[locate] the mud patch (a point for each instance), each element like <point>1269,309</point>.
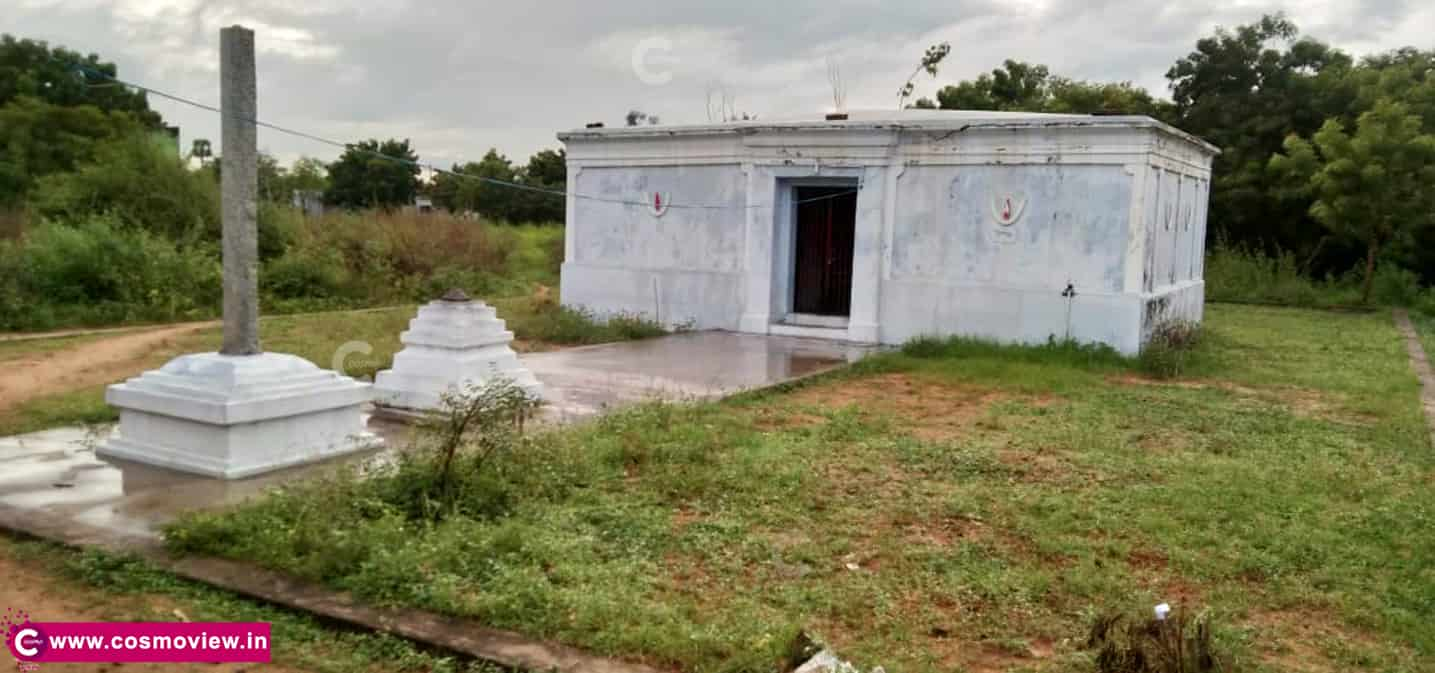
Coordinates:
<point>928,409</point>
<point>1301,402</point>
<point>1307,640</point>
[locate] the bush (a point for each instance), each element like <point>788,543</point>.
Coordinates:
<point>1169,349</point>
<point>1394,286</point>
<point>1179,643</point>
<point>313,273</point>
<point>99,271</point>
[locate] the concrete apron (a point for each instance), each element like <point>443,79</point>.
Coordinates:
<point>52,485</point>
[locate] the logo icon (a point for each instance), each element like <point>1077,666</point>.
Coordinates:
<point>658,203</point>
<point>24,639</point>
<point>1007,207</point>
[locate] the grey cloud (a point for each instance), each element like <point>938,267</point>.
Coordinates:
<point>459,77</point>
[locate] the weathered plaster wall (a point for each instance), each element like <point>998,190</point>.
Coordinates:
<point>954,269</point>
<point>682,268</point>
<point>1115,208</point>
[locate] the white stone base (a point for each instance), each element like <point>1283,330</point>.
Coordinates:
<point>234,416</point>
<point>450,345</point>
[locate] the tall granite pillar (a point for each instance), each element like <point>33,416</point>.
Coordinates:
<point>239,182</point>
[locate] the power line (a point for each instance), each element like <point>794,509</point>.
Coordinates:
<point>355,148</point>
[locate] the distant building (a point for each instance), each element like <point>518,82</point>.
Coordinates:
<point>1016,227</point>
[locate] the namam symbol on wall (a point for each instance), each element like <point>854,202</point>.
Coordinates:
<point>1007,207</point>
<point>658,203</point>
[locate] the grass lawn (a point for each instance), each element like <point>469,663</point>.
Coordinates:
<point>110,588</point>
<point>955,507</point>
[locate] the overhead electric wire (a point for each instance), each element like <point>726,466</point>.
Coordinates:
<point>355,148</point>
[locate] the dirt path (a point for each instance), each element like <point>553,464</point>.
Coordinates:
<point>1421,364</point>
<point>48,598</point>
<point>92,363</point>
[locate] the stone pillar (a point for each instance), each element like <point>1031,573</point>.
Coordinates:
<point>239,180</point>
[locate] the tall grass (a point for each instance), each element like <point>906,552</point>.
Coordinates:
<point>1239,274</point>
<point>373,258</point>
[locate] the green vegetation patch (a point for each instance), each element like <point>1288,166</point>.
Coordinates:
<point>956,505</point>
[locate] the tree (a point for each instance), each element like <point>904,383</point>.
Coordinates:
<point>65,78</point>
<point>464,188</point>
<point>1030,87</point>
<point>1374,186</point>
<point>1014,86</point>
<point>307,174</point>
<point>1081,97</point>
<point>547,170</point>
<point>200,149</point>
<point>371,174</point>
<point>637,117</point>
<point>1243,92</point>
<point>39,139</point>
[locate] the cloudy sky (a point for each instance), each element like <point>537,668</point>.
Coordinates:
<point>461,76</point>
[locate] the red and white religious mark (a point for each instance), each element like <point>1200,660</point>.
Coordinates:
<point>1007,207</point>
<point>658,203</point>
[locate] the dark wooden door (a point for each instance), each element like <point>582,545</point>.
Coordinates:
<point>826,225</point>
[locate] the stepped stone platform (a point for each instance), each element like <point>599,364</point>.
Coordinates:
<point>452,344</point>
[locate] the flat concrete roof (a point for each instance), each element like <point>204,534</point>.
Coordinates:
<point>885,120</point>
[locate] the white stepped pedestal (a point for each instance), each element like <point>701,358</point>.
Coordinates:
<point>453,343</point>
<point>234,416</point>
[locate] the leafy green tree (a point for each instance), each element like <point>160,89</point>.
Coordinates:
<point>1373,186</point>
<point>307,174</point>
<point>1082,97</point>
<point>143,183</point>
<point>1028,87</point>
<point>62,77</point>
<point>39,139</point>
<point>1245,90</point>
<point>547,170</point>
<point>462,190</point>
<point>363,177</point>
<point>1013,86</point>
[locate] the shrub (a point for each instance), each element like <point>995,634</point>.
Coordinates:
<point>1168,350</point>
<point>1179,643</point>
<point>1394,286</point>
<point>98,271</point>
<point>312,273</point>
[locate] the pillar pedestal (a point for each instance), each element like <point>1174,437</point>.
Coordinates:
<point>234,416</point>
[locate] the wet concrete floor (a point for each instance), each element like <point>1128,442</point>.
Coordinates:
<point>56,471</point>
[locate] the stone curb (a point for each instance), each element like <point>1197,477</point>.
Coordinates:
<point>1421,364</point>
<point>454,634</point>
